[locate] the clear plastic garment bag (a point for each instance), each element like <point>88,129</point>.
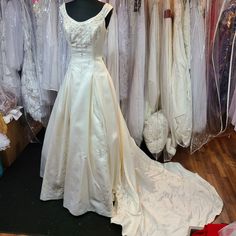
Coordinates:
<point>51,52</point>
<point>54,55</point>
<point>8,75</point>
<point>232,112</point>
<point>220,81</point>
<point>222,54</point>
<point>137,70</point>
<point>180,82</point>
<point>166,74</point>
<point>198,72</point>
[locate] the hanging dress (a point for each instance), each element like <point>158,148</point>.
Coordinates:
<point>153,77</point>
<point>166,75</point>
<point>180,82</point>
<point>222,51</point>
<point>198,74</point>
<point>9,75</point>
<point>136,103</point>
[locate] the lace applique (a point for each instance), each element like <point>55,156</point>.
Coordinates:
<point>29,81</point>
<point>124,50</point>
<point>137,5</point>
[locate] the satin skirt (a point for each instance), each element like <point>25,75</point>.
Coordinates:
<point>90,160</point>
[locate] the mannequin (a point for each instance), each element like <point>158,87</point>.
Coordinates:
<point>82,10</point>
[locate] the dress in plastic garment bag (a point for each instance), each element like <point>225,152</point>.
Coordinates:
<point>214,120</point>
<point>30,86</point>
<point>54,57</point>
<point>232,111</point>
<point>222,51</point>
<point>166,74</point>
<point>156,126</point>
<point>220,29</point>
<point>152,86</point>
<point>20,60</point>
<point>124,49</point>
<point>138,42</point>
<point>229,230</point>
<point>176,95</point>
<point>90,160</point>
<point>52,52</point>
<point>14,45</point>
<point>180,82</point>
<point>8,75</point>
<point>198,72</point>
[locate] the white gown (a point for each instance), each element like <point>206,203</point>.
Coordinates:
<point>198,68</point>
<point>20,56</point>
<point>8,75</point>
<point>136,101</point>
<point>166,63</point>
<point>180,82</point>
<point>30,86</point>
<point>153,76</point>
<point>90,160</point>
<point>124,49</point>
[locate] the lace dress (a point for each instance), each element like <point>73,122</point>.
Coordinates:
<point>124,49</point>
<point>90,160</point>
<point>19,54</point>
<point>51,48</point>
<point>9,76</point>
<point>30,86</point>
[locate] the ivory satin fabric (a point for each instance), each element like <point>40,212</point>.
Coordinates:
<point>90,160</point>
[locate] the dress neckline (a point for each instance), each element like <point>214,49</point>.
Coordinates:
<point>85,21</point>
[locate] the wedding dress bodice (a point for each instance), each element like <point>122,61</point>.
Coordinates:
<point>86,38</point>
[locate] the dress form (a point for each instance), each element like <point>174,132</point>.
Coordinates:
<point>82,10</point>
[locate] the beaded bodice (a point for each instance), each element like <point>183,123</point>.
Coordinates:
<point>86,38</point>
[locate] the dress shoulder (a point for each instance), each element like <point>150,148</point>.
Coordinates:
<point>107,8</point>
<point>62,9</point>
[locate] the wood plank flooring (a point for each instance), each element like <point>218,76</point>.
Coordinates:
<point>216,162</point>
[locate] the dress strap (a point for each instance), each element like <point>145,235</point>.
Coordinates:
<point>107,8</point>
<point>62,9</point>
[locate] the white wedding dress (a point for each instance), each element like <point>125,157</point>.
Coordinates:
<point>90,160</point>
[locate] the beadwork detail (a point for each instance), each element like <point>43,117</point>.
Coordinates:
<point>84,38</point>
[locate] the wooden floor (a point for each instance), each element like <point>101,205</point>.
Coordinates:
<point>216,162</point>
